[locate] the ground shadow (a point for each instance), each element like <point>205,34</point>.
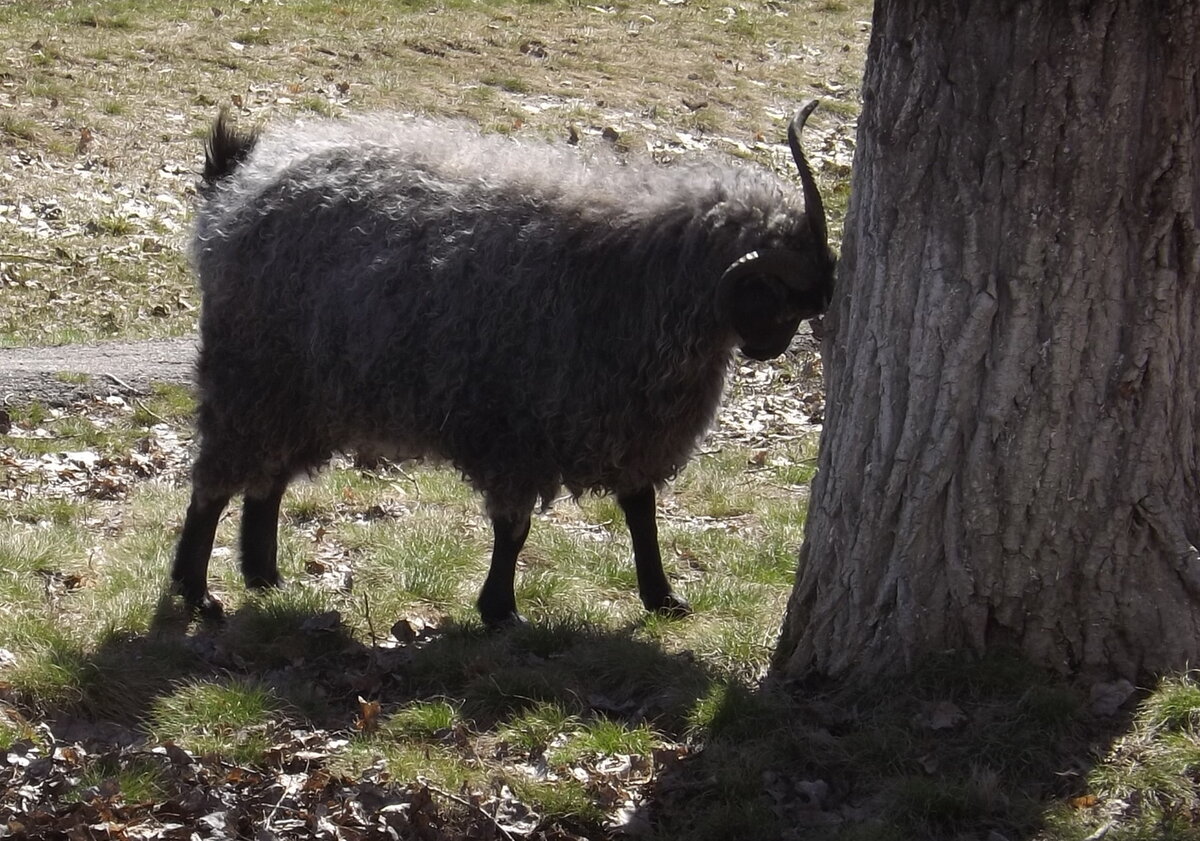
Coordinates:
<point>325,678</point>
<point>964,749</point>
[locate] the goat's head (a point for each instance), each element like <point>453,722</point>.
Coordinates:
<point>765,294</point>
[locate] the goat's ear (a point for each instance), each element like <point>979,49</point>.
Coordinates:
<point>756,300</point>
<point>752,302</point>
<point>754,284</point>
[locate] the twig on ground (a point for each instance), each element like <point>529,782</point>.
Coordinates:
<point>370,624</point>
<point>149,411</point>
<point>31,258</point>
<point>474,807</point>
<point>275,809</point>
<point>1101,832</point>
<point>120,382</point>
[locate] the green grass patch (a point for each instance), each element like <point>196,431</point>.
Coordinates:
<point>231,719</point>
<point>71,378</point>
<point>422,720</point>
<point>542,712</point>
<point>168,403</point>
<point>609,737</point>
<point>511,84</point>
<point>115,95</point>
<point>105,106</point>
<point>534,729</point>
<point>403,759</point>
<point>14,129</point>
<point>100,20</point>
<point>133,780</point>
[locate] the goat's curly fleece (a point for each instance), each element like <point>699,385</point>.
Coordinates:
<point>537,317</point>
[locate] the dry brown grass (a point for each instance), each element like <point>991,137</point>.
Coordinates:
<point>101,109</point>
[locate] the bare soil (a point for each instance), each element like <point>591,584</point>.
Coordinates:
<point>58,376</point>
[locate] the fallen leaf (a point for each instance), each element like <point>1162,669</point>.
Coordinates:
<point>368,718</point>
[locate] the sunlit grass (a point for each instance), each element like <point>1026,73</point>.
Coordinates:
<point>15,728</point>
<point>232,719</point>
<point>96,249</point>
<point>421,720</point>
<point>124,89</point>
<point>591,680</point>
<point>533,730</point>
<point>133,780</point>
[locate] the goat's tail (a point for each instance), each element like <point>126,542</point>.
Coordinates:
<point>224,149</point>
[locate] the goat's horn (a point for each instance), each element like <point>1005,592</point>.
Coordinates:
<point>783,263</point>
<point>814,208</point>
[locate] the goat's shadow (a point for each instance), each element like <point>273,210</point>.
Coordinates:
<point>320,672</point>
<point>913,759</point>
<point>317,667</point>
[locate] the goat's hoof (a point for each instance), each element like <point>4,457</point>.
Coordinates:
<point>207,608</point>
<point>264,582</point>
<point>504,622</point>
<point>671,605</point>
<point>210,610</point>
<point>201,604</point>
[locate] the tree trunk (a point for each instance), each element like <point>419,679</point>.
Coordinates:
<point>1010,449</point>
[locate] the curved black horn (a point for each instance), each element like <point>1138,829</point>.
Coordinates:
<point>813,206</point>
<point>783,263</point>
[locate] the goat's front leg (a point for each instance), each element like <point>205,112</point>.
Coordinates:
<point>189,573</point>
<point>260,537</point>
<point>498,600</point>
<point>653,586</point>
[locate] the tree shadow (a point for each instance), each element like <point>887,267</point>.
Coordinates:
<point>986,748</point>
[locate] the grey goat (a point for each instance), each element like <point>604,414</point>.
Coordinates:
<point>537,318</point>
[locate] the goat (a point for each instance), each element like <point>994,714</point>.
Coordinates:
<point>536,318</point>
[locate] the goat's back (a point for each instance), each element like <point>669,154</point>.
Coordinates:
<point>514,307</point>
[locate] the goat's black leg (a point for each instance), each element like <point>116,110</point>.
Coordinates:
<point>189,574</point>
<point>653,586</point>
<point>260,537</point>
<point>497,600</point>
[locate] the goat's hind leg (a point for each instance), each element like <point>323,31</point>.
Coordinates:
<point>260,536</point>
<point>653,587</point>
<point>497,600</point>
<point>189,574</point>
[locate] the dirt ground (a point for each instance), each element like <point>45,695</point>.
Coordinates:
<point>65,374</point>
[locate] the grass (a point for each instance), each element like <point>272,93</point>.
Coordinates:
<point>590,682</point>
<point>231,719</point>
<point>137,781</point>
<point>104,104</point>
<point>592,698</point>
<point>373,654</point>
<point>422,720</point>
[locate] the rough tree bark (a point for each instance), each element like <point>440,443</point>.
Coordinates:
<point>1010,450</point>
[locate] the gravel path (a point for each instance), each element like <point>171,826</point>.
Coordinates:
<point>52,375</point>
<point>759,406</point>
